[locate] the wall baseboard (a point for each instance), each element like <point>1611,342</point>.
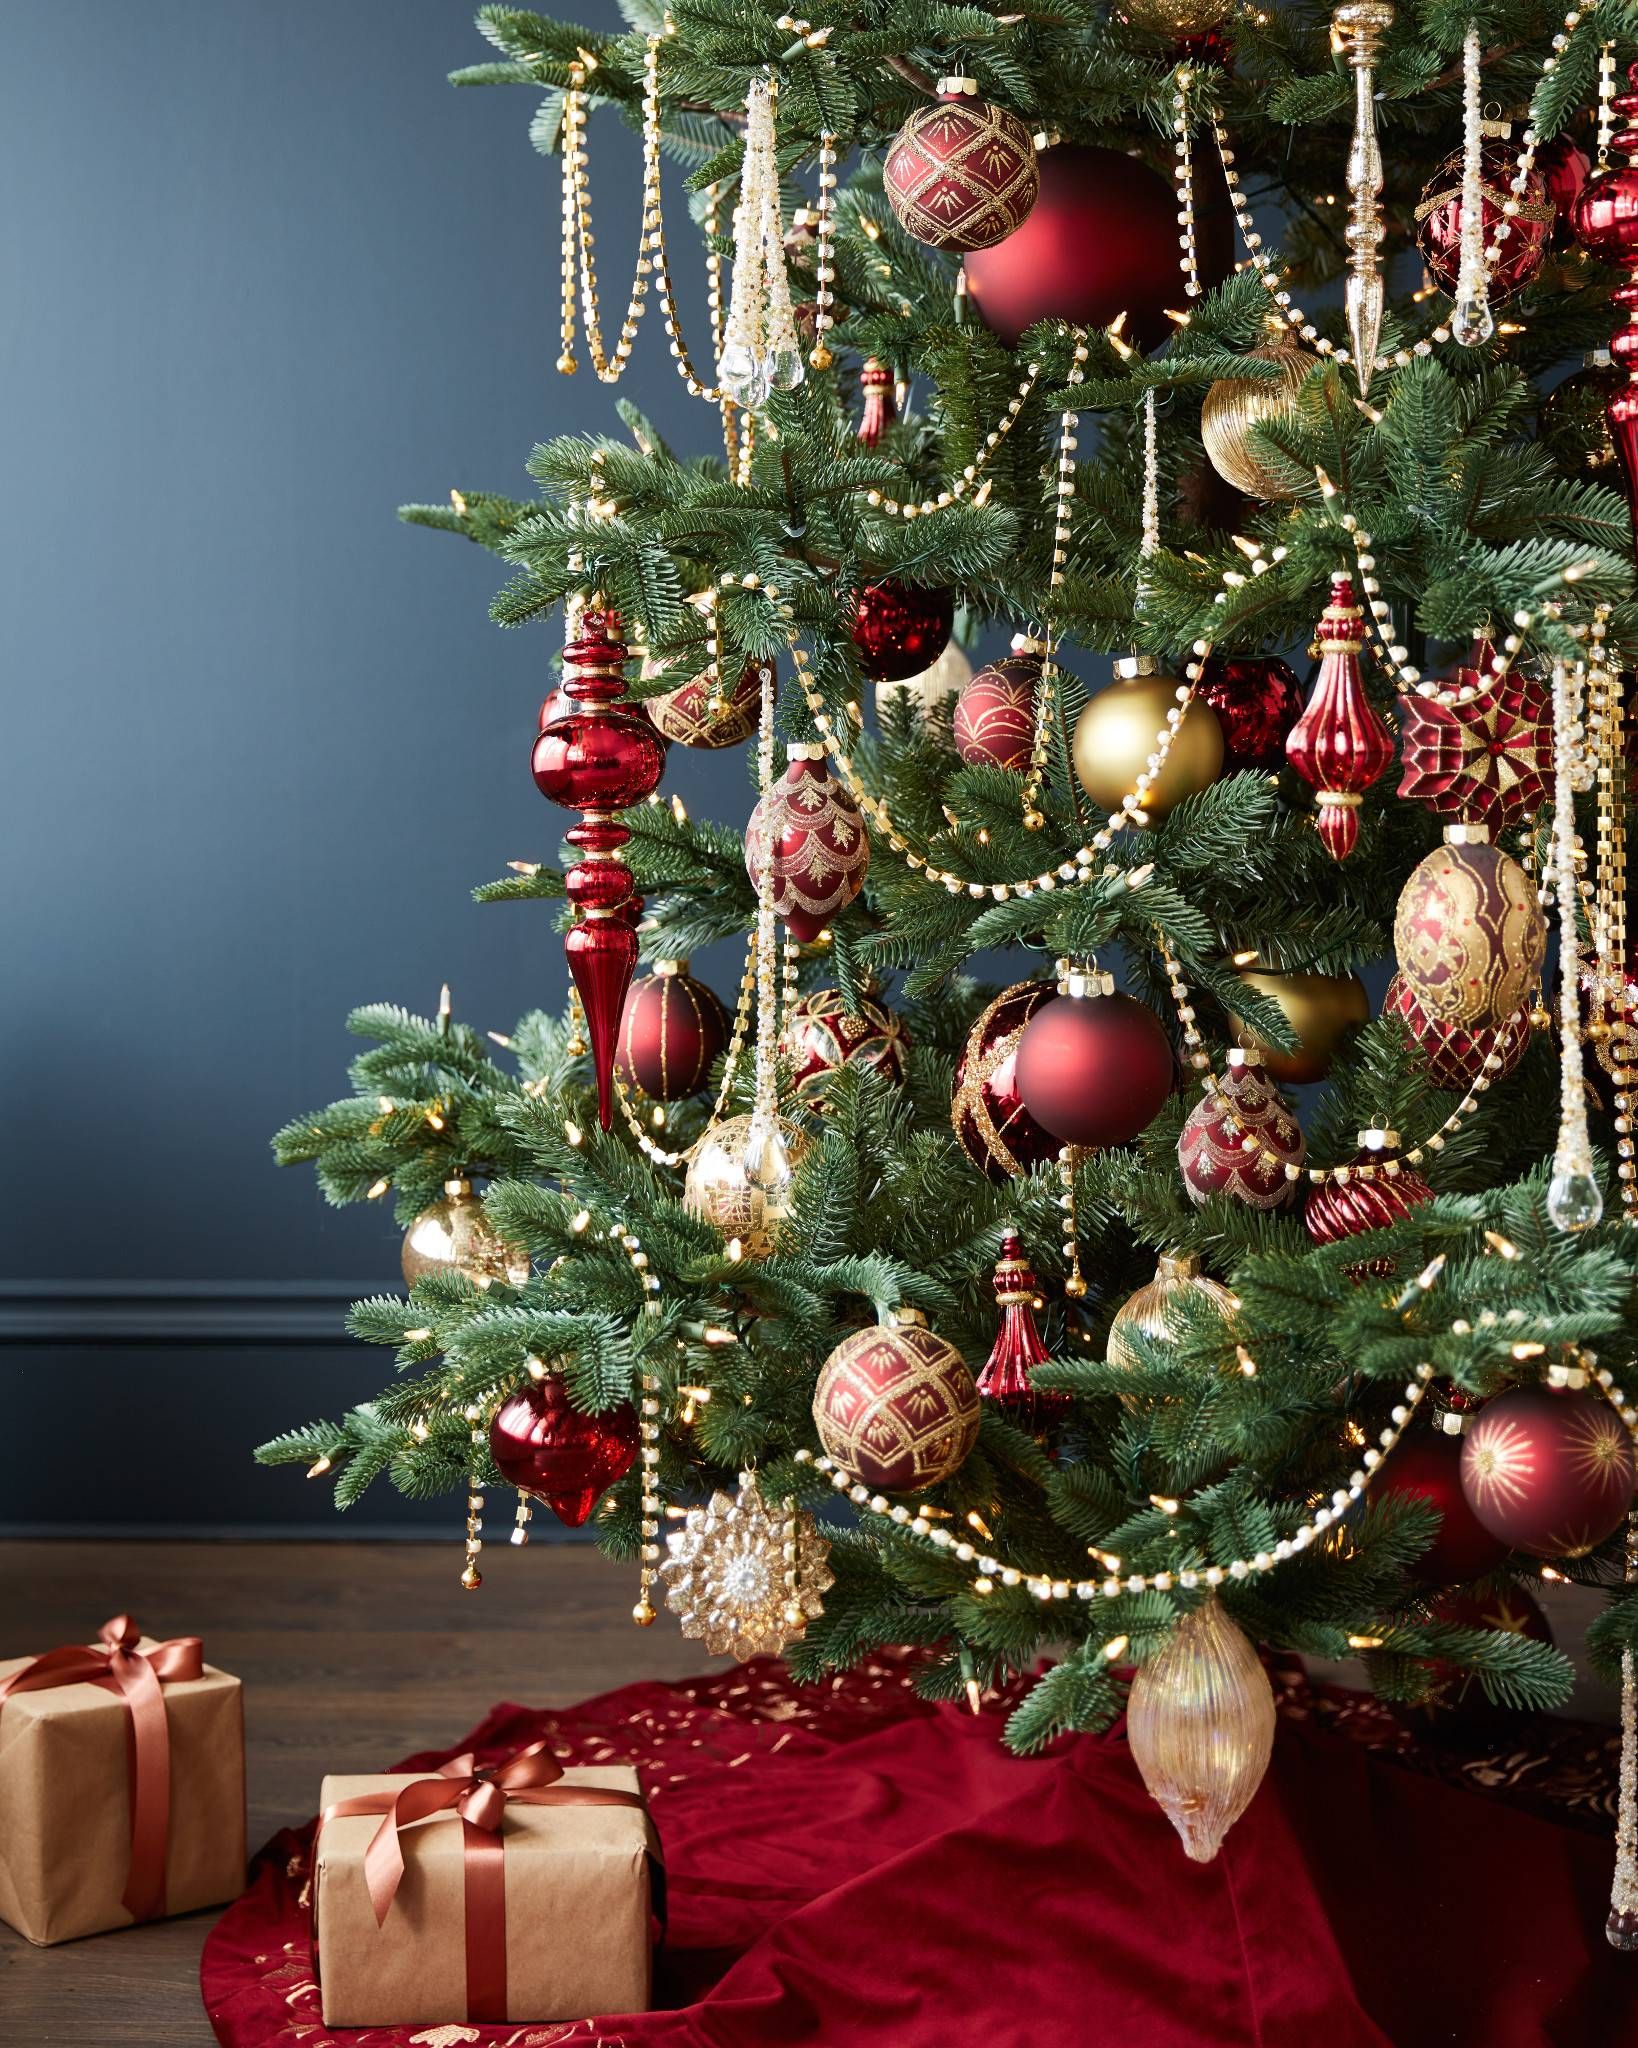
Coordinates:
<point>178,1311</point>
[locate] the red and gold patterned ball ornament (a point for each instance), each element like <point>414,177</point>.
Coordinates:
<point>1439,220</point>
<point>1340,1209</point>
<point>1488,760</point>
<point>808,828</point>
<point>1426,1465</point>
<point>1469,932</point>
<point>673,1029</point>
<point>544,1445</point>
<point>1241,1138</point>
<point>685,716</point>
<point>1548,1473</point>
<point>1257,699</point>
<point>1094,1067</point>
<point>994,721</point>
<point>1453,1056</point>
<point>896,1406</point>
<point>900,629</point>
<point>961,174</point>
<point>988,1115</point>
<point>822,1034</point>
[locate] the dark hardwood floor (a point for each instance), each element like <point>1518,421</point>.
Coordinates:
<point>352,1655</point>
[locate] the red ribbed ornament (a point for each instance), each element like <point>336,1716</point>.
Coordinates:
<point>1605,220</point>
<point>596,758</point>
<point>1453,1054</point>
<point>1338,1209</point>
<point>1005,1380</point>
<point>876,388</point>
<point>542,1444</point>
<point>1340,745</point>
<point>809,828</point>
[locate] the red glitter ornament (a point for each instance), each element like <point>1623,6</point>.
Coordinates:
<point>685,715</point>
<point>1212,1151</point>
<point>809,828</point>
<point>1426,1464</point>
<point>1094,1068</point>
<point>1549,1473</point>
<point>895,1405</point>
<point>1347,1208</point>
<point>1340,745</point>
<point>1606,224</point>
<point>1486,761</point>
<point>994,722</point>
<point>1258,699</point>
<point>988,1115</point>
<point>899,629</point>
<point>876,388</point>
<point>1453,1055</point>
<point>1439,220</point>
<point>673,1028</point>
<point>961,174</point>
<point>1005,1381</point>
<point>543,1445</point>
<point>597,759</point>
<point>822,1034</point>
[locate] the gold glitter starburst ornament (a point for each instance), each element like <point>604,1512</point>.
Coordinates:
<point>744,1577</point>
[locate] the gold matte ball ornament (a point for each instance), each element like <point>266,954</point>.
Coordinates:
<point>1234,405</point>
<point>745,1198</point>
<point>1321,1008</point>
<point>1125,724</point>
<point>454,1235</point>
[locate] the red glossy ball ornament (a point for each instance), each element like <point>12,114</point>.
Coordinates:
<point>994,722</point>
<point>808,829</point>
<point>988,1115</point>
<point>1565,168</point>
<point>1452,1055</point>
<point>1240,1138</point>
<point>1347,1208</point>
<point>543,1445</point>
<point>1548,1473</point>
<point>961,173</point>
<point>1094,1067</point>
<point>673,1028</point>
<point>552,707</point>
<point>896,1406</point>
<point>899,629</point>
<point>1258,699</point>
<point>1426,1464</point>
<point>822,1035</point>
<point>1101,241</point>
<point>1439,220</point>
<point>1006,1381</point>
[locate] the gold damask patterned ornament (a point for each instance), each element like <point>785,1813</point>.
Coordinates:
<point>454,1235</point>
<point>896,1406</point>
<point>744,1577</point>
<point>1469,931</point>
<point>746,1197</point>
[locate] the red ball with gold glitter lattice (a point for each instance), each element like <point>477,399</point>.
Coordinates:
<point>1548,1472</point>
<point>1453,1056</point>
<point>1439,218</point>
<point>700,713</point>
<point>1340,745</point>
<point>961,174</point>
<point>822,1034</point>
<point>809,831</point>
<point>1241,1139</point>
<point>1006,1381</point>
<point>1348,1206</point>
<point>986,1109</point>
<point>896,1407</point>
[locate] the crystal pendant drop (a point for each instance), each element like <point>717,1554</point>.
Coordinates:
<point>785,368</point>
<point>1573,1200</point>
<point>1472,323</point>
<point>769,1168</point>
<point>743,375</point>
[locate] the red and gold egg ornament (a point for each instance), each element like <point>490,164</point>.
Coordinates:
<point>896,1406</point>
<point>671,1032</point>
<point>1094,1066</point>
<point>1469,932</point>
<point>961,174</point>
<point>808,829</point>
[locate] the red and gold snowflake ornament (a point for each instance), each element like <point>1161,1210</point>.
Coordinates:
<point>1483,754</point>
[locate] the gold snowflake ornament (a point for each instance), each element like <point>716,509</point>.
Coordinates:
<point>746,1578</point>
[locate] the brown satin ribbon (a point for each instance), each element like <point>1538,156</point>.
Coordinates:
<point>478,1798</point>
<point>137,1676</point>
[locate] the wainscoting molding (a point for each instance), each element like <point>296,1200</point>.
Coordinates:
<point>178,1311</point>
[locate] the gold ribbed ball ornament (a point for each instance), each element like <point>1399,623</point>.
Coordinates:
<point>1234,405</point>
<point>1176,1277</point>
<point>740,1178</point>
<point>453,1235</point>
<point>1321,1008</point>
<point>1125,724</point>
<point>1176,20</point>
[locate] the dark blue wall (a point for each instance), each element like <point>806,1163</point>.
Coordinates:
<point>264,275</point>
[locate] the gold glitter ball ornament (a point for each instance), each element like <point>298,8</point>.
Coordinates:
<point>1124,726</point>
<point>1176,20</point>
<point>1234,405</point>
<point>454,1235</point>
<point>746,1578</point>
<point>1176,1277</point>
<point>740,1179</point>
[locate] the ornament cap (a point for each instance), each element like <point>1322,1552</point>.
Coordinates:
<point>1378,1139</point>
<point>804,750</point>
<point>902,1318</point>
<point>1086,980</point>
<point>457,1184</point>
<point>1177,1266</point>
<point>672,966</point>
<point>1135,664</point>
<point>1467,832</point>
<point>957,87</point>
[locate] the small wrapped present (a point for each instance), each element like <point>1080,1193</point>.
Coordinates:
<point>122,1784</point>
<point>534,1905</point>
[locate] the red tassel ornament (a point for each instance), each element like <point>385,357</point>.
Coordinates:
<point>596,758</point>
<point>1005,1380</point>
<point>876,388</point>
<point>1340,745</point>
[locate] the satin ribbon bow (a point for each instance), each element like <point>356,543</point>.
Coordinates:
<point>136,1676</point>
<point>478,1799</point>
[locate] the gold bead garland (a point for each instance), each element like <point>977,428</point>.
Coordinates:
<point>1183,149</point>
<point>957,489</point>
<point>824,253</point>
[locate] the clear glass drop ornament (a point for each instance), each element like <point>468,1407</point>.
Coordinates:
<point>743,375</point>
<point>1472,322</point>
<point>785,368</point>
<point>1573,1199</point>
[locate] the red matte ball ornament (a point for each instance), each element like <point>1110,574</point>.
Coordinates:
<point>673,1029</point>
<point>543,1445</point>
<point>1094,1068</point>
<point>1258,699</point>
<point>1426,1465</point>
<point>1549,1473</point>
<point>899,629</point>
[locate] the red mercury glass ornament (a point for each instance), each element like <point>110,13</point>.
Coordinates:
<point>542,1444</point>
<point>1340,745</point>
<point>596,759</point>
<point>1258,700</point>
<point>876,387</point>
<point>1605,220</point>
<point>1005,1379</point>
<point>901,628</point>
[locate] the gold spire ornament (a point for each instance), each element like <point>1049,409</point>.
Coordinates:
<point>1358,27</point>
<point>746,1578</point>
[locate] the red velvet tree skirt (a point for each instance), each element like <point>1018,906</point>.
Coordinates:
<point>850,1867</point>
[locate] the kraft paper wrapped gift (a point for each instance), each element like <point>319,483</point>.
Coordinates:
<point>122,1785</point>
<point>505,1896</point>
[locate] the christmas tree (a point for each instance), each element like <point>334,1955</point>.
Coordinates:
<point>1101,1346</point>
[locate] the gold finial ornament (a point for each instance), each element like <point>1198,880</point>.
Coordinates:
<point>744,1577</point>
<point>1359,27</point>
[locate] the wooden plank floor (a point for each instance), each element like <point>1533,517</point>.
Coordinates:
<point>353,1655</point>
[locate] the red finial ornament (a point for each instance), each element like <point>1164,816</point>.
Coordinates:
<point>1605,219</point>
<point>596,758</point>
<point>876,386</point>
<point>1340,745</point>
<point>1005,1379</point>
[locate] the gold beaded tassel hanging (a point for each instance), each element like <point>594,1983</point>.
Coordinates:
<point>824,254</point>
<point>1068,1159</point>
<point>1573,1198</point>
<point>471,1577</point>
<point>1359,27</point>
<point>648,1452</point>
<point>1621,1929</point>
<point>1472,322</point>
<point>1614,1027</point>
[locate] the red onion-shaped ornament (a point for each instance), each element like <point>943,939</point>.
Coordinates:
<point>543,1445</point>
<point>1426,1465</point>
<point>1439,220</point>
<point>596,759</point>
<point>808,830</point>
<point>1258,699</point>
<point>1340,745</point>
<point>1606,225</point>
<point>822,1035</point>
<point>672,1030</point>
<point>1005,1381</point>
<point>1094,1067</point>
<point>1351,1203</point>
<point>1550,1473</point>
<point>899,629</point>
<point>1241,1139</point>
<point>994,722</point>
<point>896,1406</point>
<point>961,174</point>
<point>1454,1056</point>
<point>986,1111</point>
<point>876,389</point>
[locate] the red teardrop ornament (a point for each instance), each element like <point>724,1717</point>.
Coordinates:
<point>542,1444</point>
